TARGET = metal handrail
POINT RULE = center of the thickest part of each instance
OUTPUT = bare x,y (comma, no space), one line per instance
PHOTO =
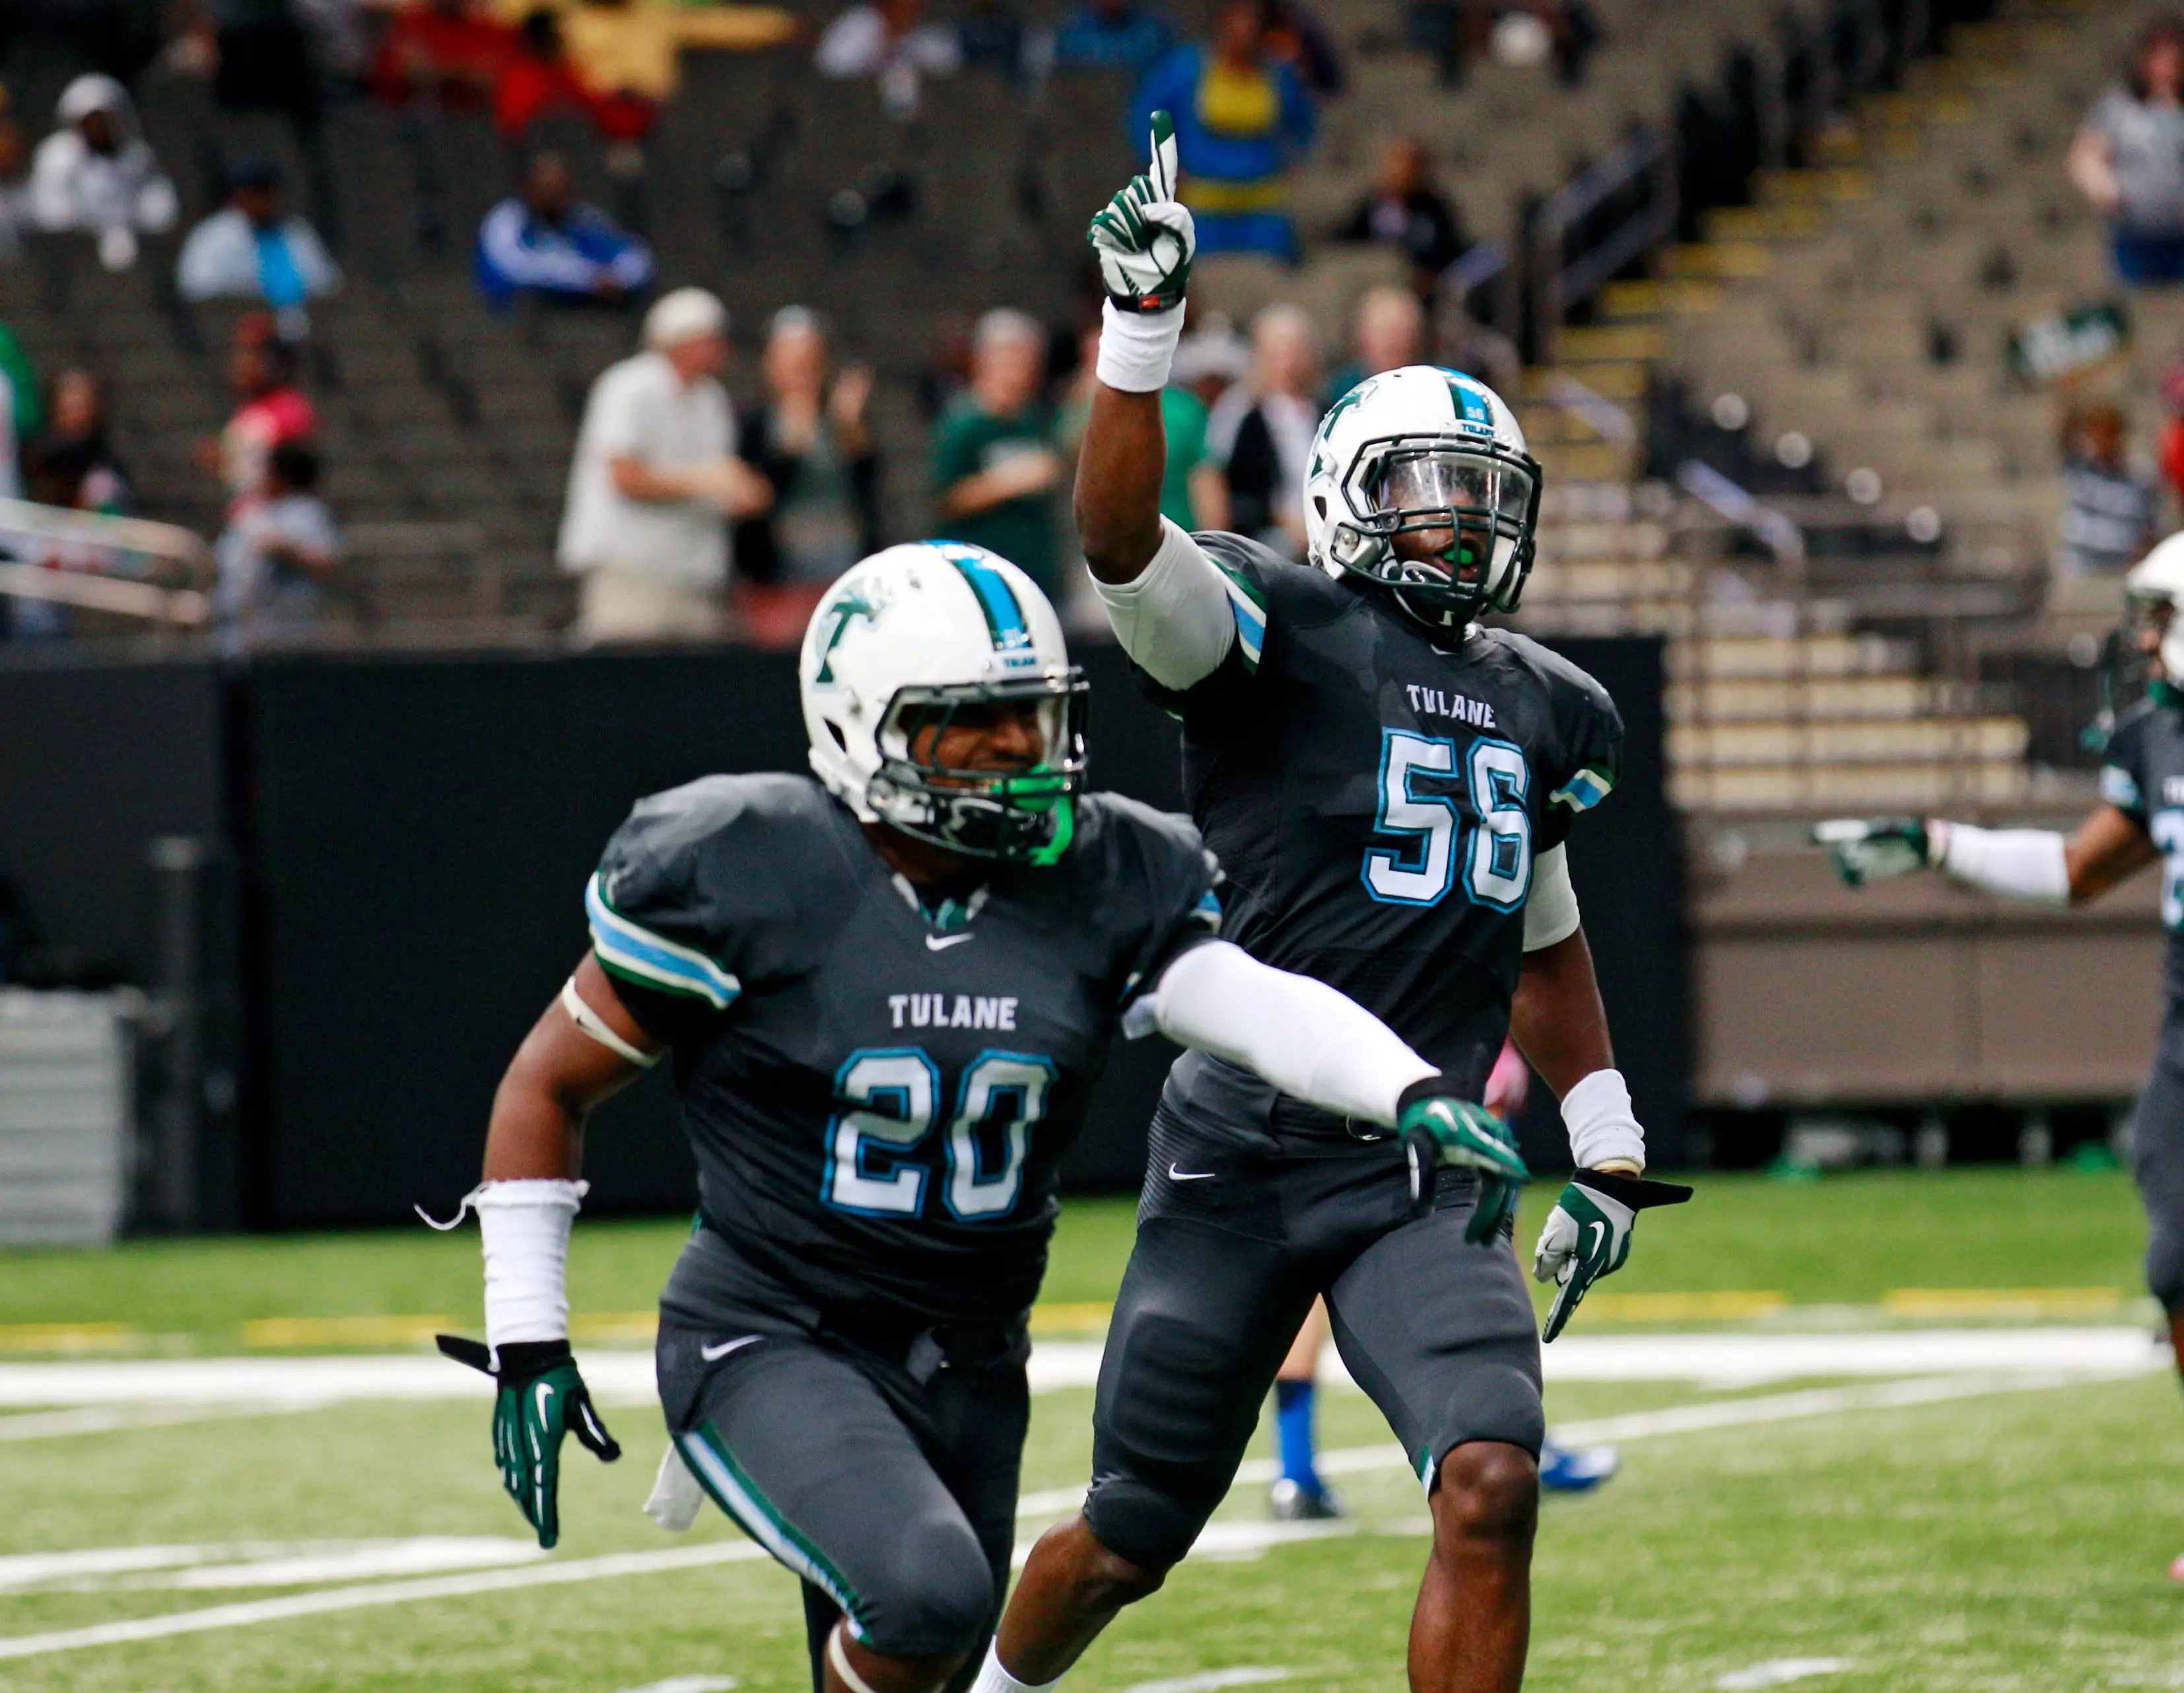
1560,283
96,534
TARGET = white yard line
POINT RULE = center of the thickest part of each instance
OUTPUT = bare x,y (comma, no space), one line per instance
106,1419
1243,1675
1782,1671
686,1684
627,1377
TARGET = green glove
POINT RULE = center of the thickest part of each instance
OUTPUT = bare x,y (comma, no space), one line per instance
541,1398
1874,848
1144,237
1588,1234
1439,1128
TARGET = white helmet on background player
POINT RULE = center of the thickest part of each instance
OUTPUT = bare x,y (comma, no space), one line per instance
2155,587
1422,449
900,644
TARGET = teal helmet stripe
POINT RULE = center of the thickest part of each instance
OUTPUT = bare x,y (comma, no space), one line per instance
1005,617
1472,406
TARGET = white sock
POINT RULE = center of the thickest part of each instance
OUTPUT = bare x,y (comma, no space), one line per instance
994,1678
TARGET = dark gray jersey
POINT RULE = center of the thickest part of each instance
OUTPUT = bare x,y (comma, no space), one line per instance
878,1097
1376,798
2143,777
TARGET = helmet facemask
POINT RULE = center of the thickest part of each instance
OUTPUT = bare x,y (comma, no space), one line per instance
1445,521
1026,815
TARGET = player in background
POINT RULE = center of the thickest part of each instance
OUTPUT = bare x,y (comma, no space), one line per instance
1300,1494
2140,819
1389,786
886,993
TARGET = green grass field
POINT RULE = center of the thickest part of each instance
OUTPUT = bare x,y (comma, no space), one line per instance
2011,1539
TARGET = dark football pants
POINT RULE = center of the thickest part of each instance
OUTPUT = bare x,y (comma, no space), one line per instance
2158,1161
1234,1242
893,1494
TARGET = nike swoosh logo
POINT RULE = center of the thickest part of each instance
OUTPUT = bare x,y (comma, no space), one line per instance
545,1397
1176,1175
710,1353
941,942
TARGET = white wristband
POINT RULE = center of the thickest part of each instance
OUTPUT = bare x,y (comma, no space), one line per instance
1136,349
525,1227
2021,864
1601,1124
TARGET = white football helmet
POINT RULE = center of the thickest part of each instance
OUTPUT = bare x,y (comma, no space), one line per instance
2154,589
902,642
1422,450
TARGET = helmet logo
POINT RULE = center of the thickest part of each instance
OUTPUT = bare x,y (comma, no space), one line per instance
851,605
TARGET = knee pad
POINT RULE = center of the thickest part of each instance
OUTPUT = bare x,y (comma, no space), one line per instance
1149,1513
937,1595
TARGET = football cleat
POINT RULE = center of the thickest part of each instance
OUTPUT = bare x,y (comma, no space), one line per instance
1576,1469
1293,1503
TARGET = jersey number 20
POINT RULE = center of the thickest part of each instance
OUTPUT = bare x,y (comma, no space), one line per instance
1494,854
897,1091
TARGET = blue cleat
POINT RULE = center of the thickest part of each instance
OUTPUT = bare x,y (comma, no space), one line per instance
1576,1469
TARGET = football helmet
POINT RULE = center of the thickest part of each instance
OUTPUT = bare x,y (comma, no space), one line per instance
2154,591
1426,451
902,643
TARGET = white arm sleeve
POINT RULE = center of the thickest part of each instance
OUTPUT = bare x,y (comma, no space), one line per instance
1314,1043
1603,1128
1551,912
1174,619
2020,864
525,1226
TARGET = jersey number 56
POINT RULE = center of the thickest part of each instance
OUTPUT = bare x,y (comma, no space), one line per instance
896,1095
1494,854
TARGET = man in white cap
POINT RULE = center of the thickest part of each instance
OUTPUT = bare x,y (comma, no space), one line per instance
95,173
655,482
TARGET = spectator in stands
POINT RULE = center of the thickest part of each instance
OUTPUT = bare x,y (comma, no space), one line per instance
444,52
2108,494
71,462
1518,33
249,250
1100,34
96,175
550,245
14,196
810,441
1193,495
990,36
1260,433
1387,333
1211,357
1300,41
889,40
1241,116
655,481
271,409
1405,211
2127,157
280,549
994,463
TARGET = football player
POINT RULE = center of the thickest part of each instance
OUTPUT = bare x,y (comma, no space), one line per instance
2140,819
1389,786
886,993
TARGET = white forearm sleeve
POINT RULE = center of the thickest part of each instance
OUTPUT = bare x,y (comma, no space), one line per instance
1137,348
1173,619
2020,864
525,1226
1550,913
1601,1124
1314,1043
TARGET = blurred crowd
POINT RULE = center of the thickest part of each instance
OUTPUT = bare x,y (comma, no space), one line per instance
686,515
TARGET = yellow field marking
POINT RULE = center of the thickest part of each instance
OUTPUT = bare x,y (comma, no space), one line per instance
1683,1307
627,1327
344,1331
65,1337
1061,1317
2014,1302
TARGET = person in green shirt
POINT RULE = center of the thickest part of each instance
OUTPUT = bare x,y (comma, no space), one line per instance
995,466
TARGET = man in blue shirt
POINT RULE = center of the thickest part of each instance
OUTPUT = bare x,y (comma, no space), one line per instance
249,250
546,243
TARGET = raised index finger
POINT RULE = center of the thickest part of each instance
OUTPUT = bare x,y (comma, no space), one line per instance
1163,169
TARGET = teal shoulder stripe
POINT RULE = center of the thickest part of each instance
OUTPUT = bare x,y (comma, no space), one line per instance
1247,604
1584,790
634,953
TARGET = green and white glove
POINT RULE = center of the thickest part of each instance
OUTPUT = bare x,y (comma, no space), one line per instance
1144,237
1439,1128
1876,849
541,1398
1588,1234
